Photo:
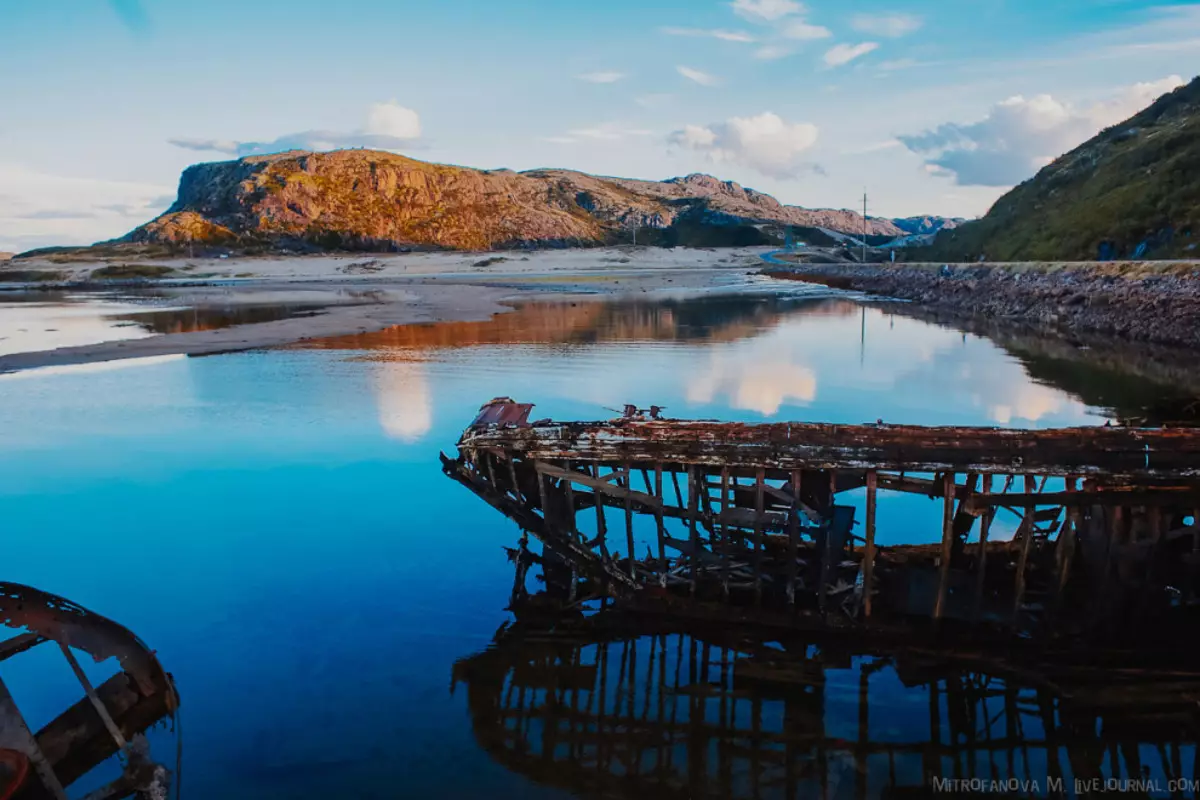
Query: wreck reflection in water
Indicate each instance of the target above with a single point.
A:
(618, 703)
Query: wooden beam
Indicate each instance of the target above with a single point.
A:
(15, 735)
(724, 532)
(1115, 451)
(629, 521)
(93, 698)
(759, 480)
(19, 644)
(948, 493)
(693, 512)
(661, 528)
(600, 485)
(869, 556)
(985, 527)
(1025, 536)
(1180, 496)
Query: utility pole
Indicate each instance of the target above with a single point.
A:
(864, 241)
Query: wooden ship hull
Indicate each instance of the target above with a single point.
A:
(737, 522)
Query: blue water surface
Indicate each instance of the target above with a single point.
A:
(276, 526)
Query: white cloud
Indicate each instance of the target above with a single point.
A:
(1020, 135)
(388, 126)
(898, 64)
(601, 77)
(39, 209)
(804, 32)
(394, 120)
(845, 53)
(724, 35)
(702, 78)
(607, 132)
(765, 10)
(891, 26)
(770, 52)
(652, 100)
(876, 147)
(765, 143)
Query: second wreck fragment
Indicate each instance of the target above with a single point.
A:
(729, 518)
(110, 719)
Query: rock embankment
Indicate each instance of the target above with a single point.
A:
(1136, 302)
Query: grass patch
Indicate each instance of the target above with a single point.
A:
(131, 271)
(32, 276)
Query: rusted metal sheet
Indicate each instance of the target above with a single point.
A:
(109, 719)
(1108, 451)
(503, 412)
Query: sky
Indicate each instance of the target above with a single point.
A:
(926, 106)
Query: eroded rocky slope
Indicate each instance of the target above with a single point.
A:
(370, 200)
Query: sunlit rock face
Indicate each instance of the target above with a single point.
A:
(375, 200)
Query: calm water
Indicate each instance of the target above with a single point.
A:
(31, 321)
(275, 524)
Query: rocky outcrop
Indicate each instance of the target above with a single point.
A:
(921, 226)
(370, 200)
(1130, 192)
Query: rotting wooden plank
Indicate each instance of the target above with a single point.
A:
(693, 536)
(1164, 496)
(827, 550)
(985, 527)
(1025, 536)
(869, 556)
(724, 532)
(19, 644)
(759, 480)
(92, 697)
(794, 538)
(598, 484)
(629, 521)
(569, 491)
(15, 734)
(1110, 451)
(948, 494)
(661, 528)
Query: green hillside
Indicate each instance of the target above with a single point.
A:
(1133, 187)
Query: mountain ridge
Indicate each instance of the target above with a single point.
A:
(377, 200)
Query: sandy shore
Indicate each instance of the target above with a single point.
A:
(489, 265)
(369, 293)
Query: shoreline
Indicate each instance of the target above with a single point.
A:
(1151, 302)
(397, 290)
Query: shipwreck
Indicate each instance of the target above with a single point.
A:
(109, 720)
(626, 703)
(1053, 540)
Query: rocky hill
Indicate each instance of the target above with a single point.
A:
(370, 200)
(1130, 192)
(919, 226)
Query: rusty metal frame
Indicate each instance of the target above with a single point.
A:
(43, 617)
